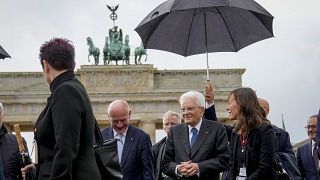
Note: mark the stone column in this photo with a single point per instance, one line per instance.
(149, 127)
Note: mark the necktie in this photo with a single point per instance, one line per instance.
(315, 156)
(194, 132)
(120, 144)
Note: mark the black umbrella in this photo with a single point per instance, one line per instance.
(189, 27)
(3, 53)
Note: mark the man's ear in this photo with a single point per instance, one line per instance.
(45, 66)
(202, 109)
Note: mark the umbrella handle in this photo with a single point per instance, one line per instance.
(208, 78)
(208, 85)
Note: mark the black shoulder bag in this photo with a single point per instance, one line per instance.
(107, 157)
(285, 166)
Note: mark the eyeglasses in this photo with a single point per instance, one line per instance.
(188, 110)
(310, 127)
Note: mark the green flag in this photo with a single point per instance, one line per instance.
(283, 126)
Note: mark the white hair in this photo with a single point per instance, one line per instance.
(171, 113)
(198, 98)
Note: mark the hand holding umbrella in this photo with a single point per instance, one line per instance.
(209, 92)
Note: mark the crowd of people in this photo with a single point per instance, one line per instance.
(196, 145)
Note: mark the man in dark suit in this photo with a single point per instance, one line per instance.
(170, 119)
(197, 149)
(307, 154)
(134, 145)
(283, 143)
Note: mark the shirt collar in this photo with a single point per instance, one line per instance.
(116, 134)
(197, 126)
(313, 142)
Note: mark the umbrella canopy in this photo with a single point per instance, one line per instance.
(3, 53)
(189, 27)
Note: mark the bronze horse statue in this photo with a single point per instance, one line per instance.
(94, 51)
(106, 52)
(138, 53)
(126, 50)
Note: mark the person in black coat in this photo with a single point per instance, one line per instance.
(252, 142)
(1, 169)
(9, 152)
(64, 131)
(170, 119)
(283, 143)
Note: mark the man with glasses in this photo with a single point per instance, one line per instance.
(134, 145)
(307, 154)
(198, 148)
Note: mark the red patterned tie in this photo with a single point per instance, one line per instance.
(315, 156)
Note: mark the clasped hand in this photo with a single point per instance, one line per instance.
(188, 168)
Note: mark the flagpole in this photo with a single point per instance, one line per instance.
(283, 126)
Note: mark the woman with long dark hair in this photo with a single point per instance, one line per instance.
(252, 142)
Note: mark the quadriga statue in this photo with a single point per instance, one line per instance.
(115, 49)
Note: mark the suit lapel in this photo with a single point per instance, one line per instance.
(203, 133)
(130, 138)
(108, 134)
(185, 133)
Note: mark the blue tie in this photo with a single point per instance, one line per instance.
(120, 144)
(194, 132)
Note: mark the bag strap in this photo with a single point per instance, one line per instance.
(97, 134)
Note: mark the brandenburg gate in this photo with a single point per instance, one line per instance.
(150, 92)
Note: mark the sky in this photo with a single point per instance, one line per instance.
(284, 69)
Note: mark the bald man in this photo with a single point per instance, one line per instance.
(134, 145)
(283, 138)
